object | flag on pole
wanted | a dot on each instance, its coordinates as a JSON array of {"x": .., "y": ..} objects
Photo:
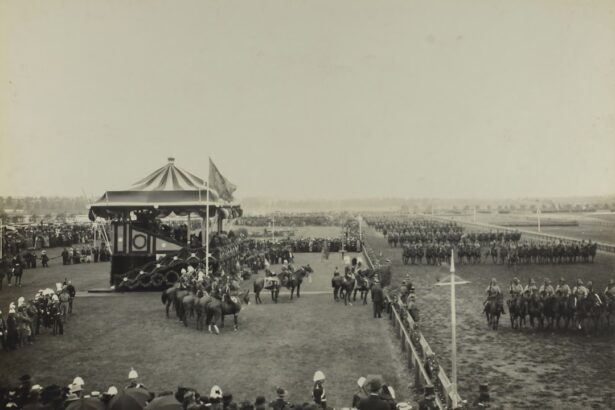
[{"x": 223, "y": 186}]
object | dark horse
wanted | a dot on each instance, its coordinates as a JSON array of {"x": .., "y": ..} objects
[
  {"x": 343, "y": 286},
  {"x": 588, "y": 309},
  {"x": 493, "y": 310},
  {"x": 173, "y": 296},
  {"x": 363, "y": 285},
  {"x": 229, "y": 305},
  {"x": 565, "y": 310},
  {"x": 535, "y": 310},
  {"x": 518, "y": 310},
  {"x": 550, "y": 310}
]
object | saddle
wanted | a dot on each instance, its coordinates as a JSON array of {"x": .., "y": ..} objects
[{"x": 271, "y": 282}]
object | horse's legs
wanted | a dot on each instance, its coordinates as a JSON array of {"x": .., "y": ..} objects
[
  {"x": 236, "y": 326},
  {"x": 292, "y": 292},
  {"x": 298, "y": 290}
]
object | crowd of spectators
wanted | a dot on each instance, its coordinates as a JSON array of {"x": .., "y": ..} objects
[
  {"x": 16, "y": 239},
  {"x": 288, "y": 220},
  {"x": 371, "y": 394}
]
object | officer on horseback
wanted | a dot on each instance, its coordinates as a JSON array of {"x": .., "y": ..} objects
[
  {"x": 530, "y": 288},
  {"x": 580, "y": 291},
  {"x": 493, "y": 293},
  {"x": 609, "y": 291},
  {"x": 516, "y": 289},
  {"x": 562, "y": 288},
  {"x": 593, "y": 294},
  {"x": 546, "y": 289}
]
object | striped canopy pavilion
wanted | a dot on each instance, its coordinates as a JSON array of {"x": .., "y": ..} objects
[{"x": 169, "y": 189}]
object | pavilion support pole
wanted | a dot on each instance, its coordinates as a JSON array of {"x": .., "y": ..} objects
[
  {"x": 188, "y": 234},
  {"x": 207, "y": 232}
]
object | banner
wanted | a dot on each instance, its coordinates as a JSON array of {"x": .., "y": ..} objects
[{"x": 223, "y": 186}]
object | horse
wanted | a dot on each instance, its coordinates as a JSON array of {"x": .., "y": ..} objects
[
  {"x": 259, "y": 285},
  {"x": 186, "y": 306},
  {"x": 343, "y": 286},
  {"x": 229, "y": 305},
  {"x": 172, "y": 297},
  {"x": 609, "y": 309},
  {"x": 549, "y": 309},
  {"x": 363, "y": 285},
  {"x": 200, "y": 306},
  {"x": 535, "y": 310},
  {"x": 565, "y": 309},
  {"x": 493, "y": 310},
  {"x": 294, "y": 280},
  {"x": 588, "y": 308},
  {"x": 517, "y": 308}
]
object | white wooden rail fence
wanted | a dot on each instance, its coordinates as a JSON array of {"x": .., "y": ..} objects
[{"x": 416, "y": 355}]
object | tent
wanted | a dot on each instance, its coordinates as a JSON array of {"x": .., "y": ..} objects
[{"x": 167, "y": 190}]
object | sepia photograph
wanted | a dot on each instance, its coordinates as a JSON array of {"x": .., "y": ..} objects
[{"x": 307, "y": 204}]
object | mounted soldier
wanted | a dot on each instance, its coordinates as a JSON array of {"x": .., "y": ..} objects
[
  {"x": 493, "y": 294},
  {"x": 531, "y": 288},
  {"x": 546, "y": 290},
  {"x": 515, "y": 289},
  {"x": 562, "y": 288},
  {"x": 609, "y": 291}
]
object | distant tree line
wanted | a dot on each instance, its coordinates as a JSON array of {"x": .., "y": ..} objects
[{"x": 15, "y": 209}]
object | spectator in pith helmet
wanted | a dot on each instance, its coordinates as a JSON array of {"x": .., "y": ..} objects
[
  {"x": 133, "y": 380},
  {"x": 78, "y": 380},
  {"x": 318, "y": 393},
  {"x": 280, "y": 403},
  {"x": 215, "y": 398}
]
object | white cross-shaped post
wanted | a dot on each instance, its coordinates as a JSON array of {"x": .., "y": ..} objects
[{"x": 453, "y": 282}]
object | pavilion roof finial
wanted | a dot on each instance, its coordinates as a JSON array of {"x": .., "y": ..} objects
[{"x": 171, "y": 159}]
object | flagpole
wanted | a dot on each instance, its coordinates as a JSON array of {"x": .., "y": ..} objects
[
  {"x": 453, "y": 330},
  {"x": 207, "y": 222}
]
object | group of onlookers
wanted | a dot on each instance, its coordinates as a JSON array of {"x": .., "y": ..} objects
[
  {"x": 287, "y": 220},
  {"x": 19, "y": 238},
  {"x": 371, "y": 394},
  {"x": 85, "y": 254}
]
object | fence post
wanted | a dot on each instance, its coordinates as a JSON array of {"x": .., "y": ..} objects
[
  {"x": 417, "y": 374},
  {"x": 403, "y": 339}
]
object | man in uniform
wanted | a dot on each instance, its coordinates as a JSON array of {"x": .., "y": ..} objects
[
  {"x": 377, "y": 298},
  {"x": 579, "y": 291},
  {"x": 562, "y": 288},
  {"x": 546, "y": 290},
  {"x": 319, "y": 393},
  {"x": 531, "y": 288},
  {"x": 593, "y": 294},
  {"x": 609, "y": 291},
  {"x": 493, "y": 293},
  {"x": 516, "y": 289}
]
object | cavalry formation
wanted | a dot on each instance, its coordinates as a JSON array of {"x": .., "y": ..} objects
[
  {"x": 546, "y": 307},
  {"x": 430, "y": 242}
]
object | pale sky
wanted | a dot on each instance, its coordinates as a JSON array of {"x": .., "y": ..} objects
[{"x": 311, "y": 99}]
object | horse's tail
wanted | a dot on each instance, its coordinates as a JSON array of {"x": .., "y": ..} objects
[{"x": 164, "y": 297}]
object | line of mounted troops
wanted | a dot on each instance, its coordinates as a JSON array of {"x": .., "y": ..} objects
[
  {"x": 552, "y": 252},
  {"x": 47, "y": 309}
]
